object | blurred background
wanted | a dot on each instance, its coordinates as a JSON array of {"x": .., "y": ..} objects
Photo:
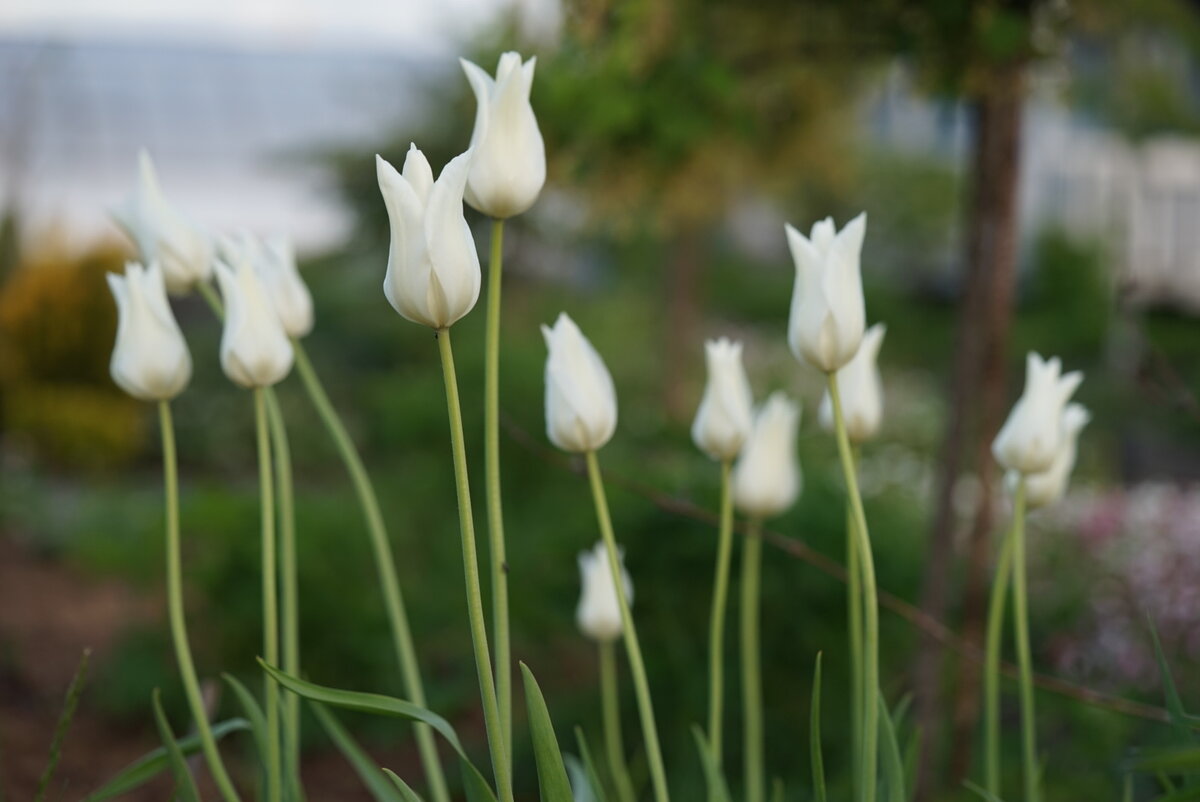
[{"x": 1032, "y": 177}]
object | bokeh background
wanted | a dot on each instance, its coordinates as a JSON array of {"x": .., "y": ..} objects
[{"x": 1032, "y": 177}]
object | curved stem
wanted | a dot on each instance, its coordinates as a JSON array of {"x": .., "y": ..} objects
[
  {"x": 637, "y": 667},
  {"x": 290, "y": 592},
  {"x": 466, "y": 526},
  {"x": 385, "y": 565},
  {"x": 1024, "y": 660},
  {"x": 991, "y": 666},
  {"x": 870, "y": 743},
  {"x": 495, "y": 510},
  {"x": 752, "y": 713},
  {"x": 183, "y": 650},
  {"x": 270, "y": 610},
  {"x": 716, "y": 638},
  {"x": 610, "y": 701},
  {"x": 855, "y": 616}
]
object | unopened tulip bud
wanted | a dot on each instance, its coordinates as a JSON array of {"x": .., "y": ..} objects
[
  {"x": 766, "y": 478},
  {"x": 150, "y": 360},
  {"x": 828, "y": 313},
  {"x": 255, "y": 350},
  {"x": 1032, "y": 436},
  {"x": 599, "y": 612},
  {"x": 726, "y": 412},
  {"x": 581, "y": 401},
  {"x": 433, "y": 273},
  {"x": 860, "y": 390},
  {"x": 1043, "y": 489},
  {"x": 509, "y": 166},
  {"x": 163, "y": 235}
]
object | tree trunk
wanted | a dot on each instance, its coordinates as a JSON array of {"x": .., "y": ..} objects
[{"x": 976, "y": 406}]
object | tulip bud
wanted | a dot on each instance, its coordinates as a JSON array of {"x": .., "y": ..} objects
[
  {"x": 509, "y": 166},
  {"x": 766, "y": 478},
  {"x": 726, "y": 412},
  {"x": 599, "y": 612},
  {"x": 828, "y": 314},
  {"x": 581, "y": 402},
  {"x": 275, "y": 262},
  {"x": 255, "y": 350},
  {"x": 1043, "y": 489},
  {"x": 433, "y": 273},
  {"x": 860, "y": 389},
  {"x": 150, "y": 360},
  {"x": 1032, "y": 436},
  {"x": 163, "y": 235}
]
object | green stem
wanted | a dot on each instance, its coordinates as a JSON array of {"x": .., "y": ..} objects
[
  {"x": 870, "y": 706},
  {"x": 716, "y": 639},
  {"x": 466, "y": 525},
  {"x": 637, "y": 667},
  {"x": 270, "y": 600},
  {"x": 495, "y": 510},
  {"x": 183, "y": 651},
  {"x": 290, "y": 595},
  {"x": 610, "y": 701},
  {"x": 385, "y": 564},
  {"x": 752, "y": 713},
  {"x": 991, "y": 666},
  {"x": 1021, "y": 616},
  {"x": 855, "y": 616}
]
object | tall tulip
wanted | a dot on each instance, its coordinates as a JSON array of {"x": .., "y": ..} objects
[
  {"x": 599, "y": 614},
  {"x": 255, "y": 350},
  {"x": 1031, "y": 437},
  {"x": 163, "y": 235},
  {"x": 726, "y": 413},
  {"x": 509, "y": 167},
  {"x": 766, "y": 478},
  {"x": 150, "y": 360},
  {"x": 828, "y": 314},
  {"x": 861, "y": 389},
  {"x": 433, "y": 273},
  {"x": 581, "y": 401}
]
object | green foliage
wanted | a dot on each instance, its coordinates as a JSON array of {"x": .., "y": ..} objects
[
  {"x": 383, "y": 787},
  {"x": 74, "y": 692},
  {"x": 552, "y": 774},
  {"x": 713, "y": 777},
  {"x": 185, "y": 786},
  {"x": 816, "y": 756}
]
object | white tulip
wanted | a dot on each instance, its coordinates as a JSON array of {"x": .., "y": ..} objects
[
  {"x": 828, "y": 314},
  {"x": 599, "y": 612},
  {"x": 1031, "y": 437},
  {"x": 255, "y": 350},
  {"x": 509, "y": 167},
  {"x": 275, "y": 262},
  {"x": 860, "y": 389},
  {"x": 163, "y": 235},
  {"x": 1043, "y": 489},
  {"x": 581, "y": 401},
  {"x": 433, "y": 273},
  {"x": 150, "y": 360},
  {"x": 766, "y": 478},
  {"x": 726, "y": 412}
]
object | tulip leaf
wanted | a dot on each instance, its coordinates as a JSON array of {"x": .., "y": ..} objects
[
  {"x": 366, "y": 768},
  {"x": 253, "y": 713},
  {"x": 149, "y": 765},
  {"x": 1174, "y": 759},
  {"x": 814, "y": 736},
  {"x": 406, "y": 791},
  {"x": 893, "y": 764},
  {"x": 714, "y": 780},
  {"x": 475, "y": 786},
  {"x": 185, "y": 786},
  {"x": 581, "y": 783},
  {"x": 981, "y": 792},
  {"x": 589, "y": 765},
  {"x": 552, "y": 774},
  {"x": 1179, "y": 717},
  {"x": 777, "y": 794}
]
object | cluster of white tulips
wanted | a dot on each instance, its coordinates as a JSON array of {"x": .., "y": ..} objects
[{"x": 433, "y": 278}]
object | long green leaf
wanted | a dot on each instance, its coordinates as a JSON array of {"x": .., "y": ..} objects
[
  {"x": 74, "y": 691},
  {"x": 405, "y": 790},
  {"x": 1174, "y": 759},
  {"x": 981, "y": 792},
  {"x": 552, "y": 774},
  {"x": 367, "y": 769},
  {"x": 253, "y": 713},
  {"x": 581, "y": 784},
  {"x": 893, "y": 764},
  {"x": 814, "y": 736},
  {"x": 715, "y": 781},
  {"x": 149, "y": 765},
  {"x": 593, "y": 776},
  {"x": 1179, "y": 716},
  {"x": 475, "y": 786},
  {"x": 185, "y": 786}
]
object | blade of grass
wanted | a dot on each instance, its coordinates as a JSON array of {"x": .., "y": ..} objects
[
  {"x": 715, "y": 781},
  {"x": 74, "y": 691},
  {"x": 552, "y": 774},
  {"x": 405, "y": 790}
]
